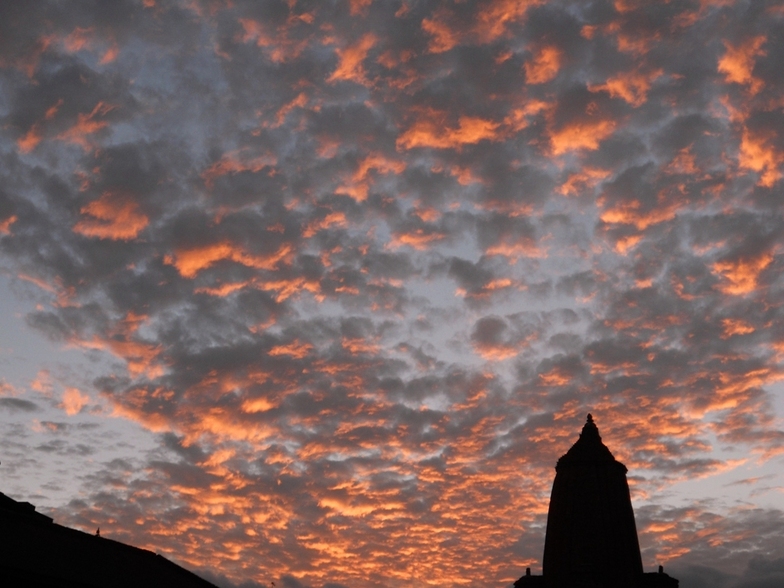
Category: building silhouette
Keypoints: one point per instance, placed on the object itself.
(591, 538)
(35, 552)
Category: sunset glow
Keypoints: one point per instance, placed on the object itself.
(317, 293)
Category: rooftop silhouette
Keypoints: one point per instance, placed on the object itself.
(591, 538)
(36, 552)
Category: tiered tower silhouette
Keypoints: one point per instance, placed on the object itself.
(591, 539)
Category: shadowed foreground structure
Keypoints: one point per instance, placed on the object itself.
(35, 552)
(591, 538)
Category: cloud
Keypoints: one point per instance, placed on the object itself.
(350, 63)
(352, 273)
(761, 573)
(111, 217)
(18, 405)
(74, 401)
(737, 63)
(429, 131)
(544, 66)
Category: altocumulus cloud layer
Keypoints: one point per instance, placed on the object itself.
(361, 268)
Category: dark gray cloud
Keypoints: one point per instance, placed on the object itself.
(18, 404)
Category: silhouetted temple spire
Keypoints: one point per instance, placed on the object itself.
(589, 447)
(591, 536)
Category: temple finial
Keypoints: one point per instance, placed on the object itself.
(589, 419)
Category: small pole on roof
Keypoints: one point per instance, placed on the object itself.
(98, 532)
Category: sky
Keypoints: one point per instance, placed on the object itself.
(317, 292)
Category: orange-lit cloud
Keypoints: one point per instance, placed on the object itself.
(487, 290)
(295, 349)
(359, 185)
(42, 383)
(583, 181)
(29, 140)
(581, 134)
(554, 377)
(544, 66)
(140, 357)
(631, 213)
(758, 154)
(355, 345)
(740, 277)
(191, 261)
(683, 163)
(631, 86)
(87, 124)
(236, 162)
(737, 63)
(28, 62)
(5, 225)
(43, 284)
(74, 401)
(515, 249)
(299, 102)
(333, 219)
(224, 289)
(733, 386)
(442, 37)
(110, 54)
(278, 46)
(495, 17)
(350, 61)
(52, 110)
(625, 244)
(429, 131)
(736, 327)
(133, 408)
(114, 216)
(519, 116)
(257, 405)
(635, 44)
(496, 351)
(287, 288)
(418, 239)
(79, 39)
(359, 7)
(428, 215)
